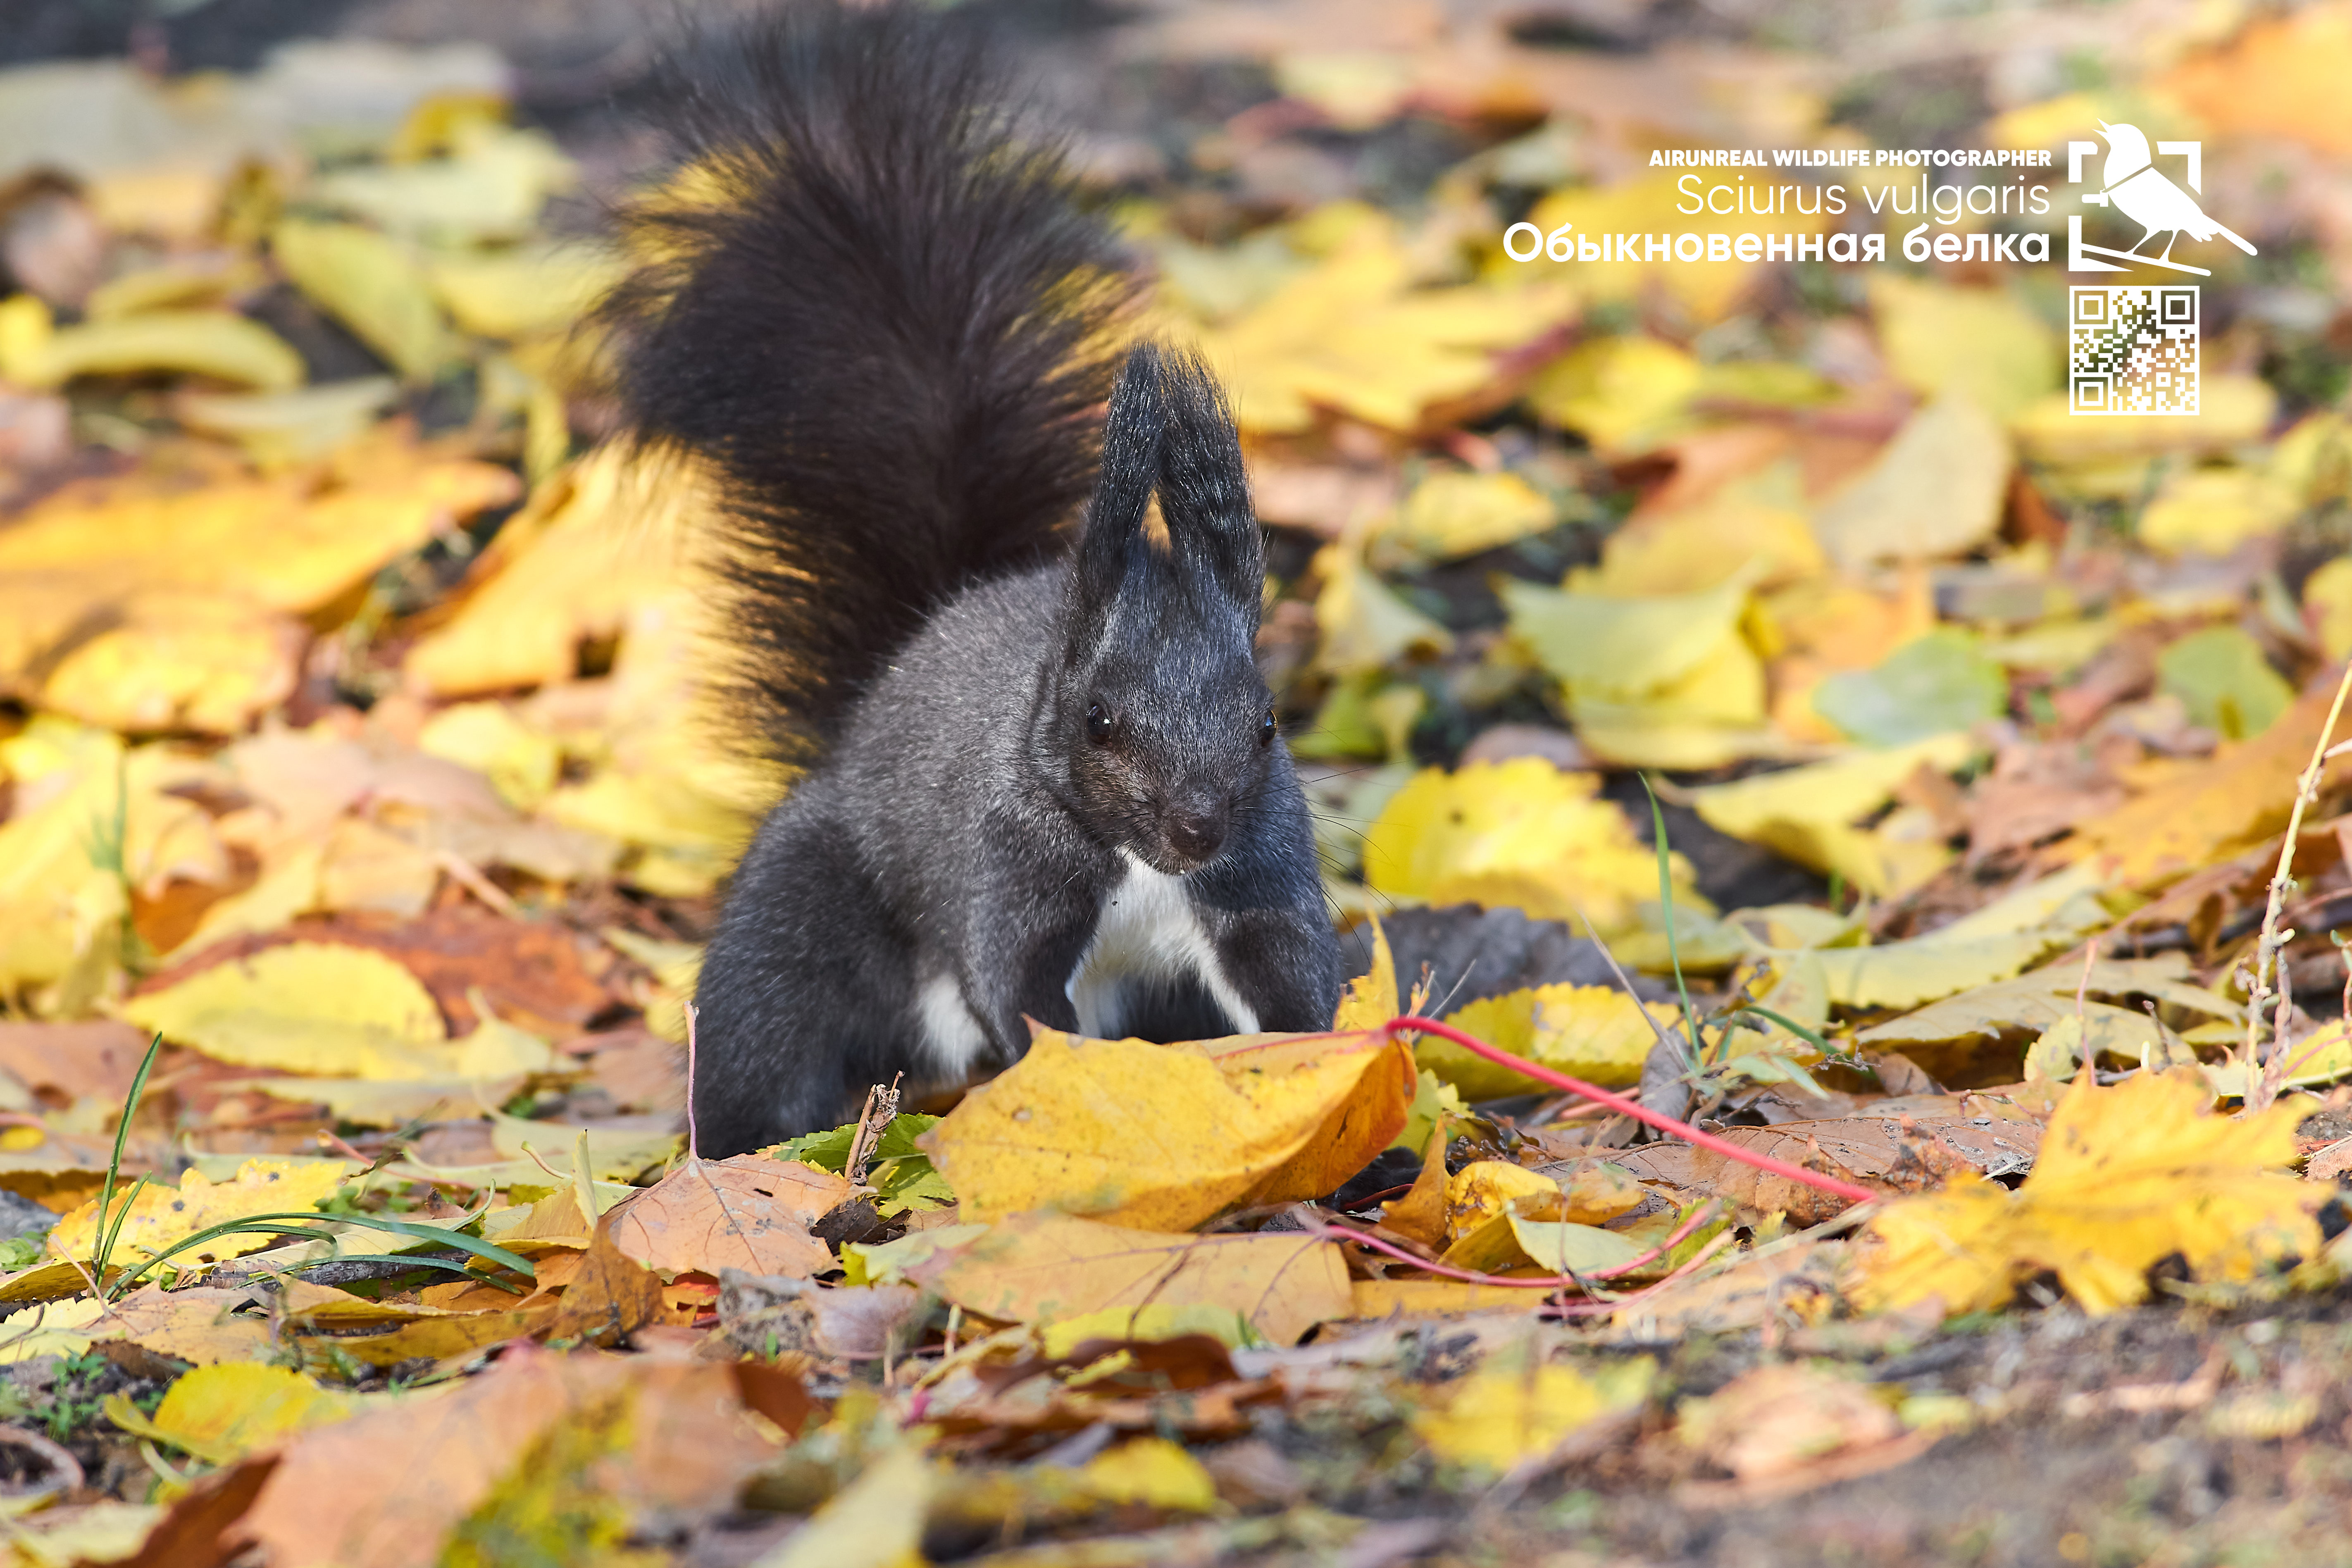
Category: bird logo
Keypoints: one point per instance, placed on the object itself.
(2137, 188)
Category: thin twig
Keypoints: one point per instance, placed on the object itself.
(693, 1142)
(2263, 1086)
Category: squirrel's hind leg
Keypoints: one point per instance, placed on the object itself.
(806, 991)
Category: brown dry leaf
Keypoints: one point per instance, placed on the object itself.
(749, 1212)
(1776, 1419)
(1791, 1277)
(1037, 1267)
(385, 1488)
(70, 1060)
(1904, 1154)
(610, 1297)
(1166, 1136)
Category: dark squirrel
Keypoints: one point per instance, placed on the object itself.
(1040, 774)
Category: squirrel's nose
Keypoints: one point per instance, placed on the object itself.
(1195, 832)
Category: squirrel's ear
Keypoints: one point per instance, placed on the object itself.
(1130, 463)
(1204, 489)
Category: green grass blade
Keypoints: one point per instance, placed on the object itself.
(1666, 898)
(307, 1225)
(114, 1163)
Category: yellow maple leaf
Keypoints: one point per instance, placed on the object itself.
(160, 1216)
(2126, 1176)
(1515, 833)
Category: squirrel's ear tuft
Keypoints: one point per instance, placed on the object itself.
(1204, 487)
(1130, 464)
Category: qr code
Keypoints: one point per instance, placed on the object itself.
(2131, 350)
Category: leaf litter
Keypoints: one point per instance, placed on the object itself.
(349, 754)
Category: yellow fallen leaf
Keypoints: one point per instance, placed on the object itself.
(1365, 623)
(2125, 1176)
(293, 542)
(1485, 1188)
(96, 1533)
(1596, 1032)
(371, 284)
(522, 291)
(179, 662)
(875, 1521)
(491, 186)
(1935, 489)
(604, 534)
(1151, 1471)
(1370, 999)
(306, 1007)
(1376, 1300)
(160, 1216)
(60, 896)
(220, 1413)
(1701, 546)
(217, 343)
(1623, 394)
(2280, 76)
(1165, 1136)
(55, 1328)
(1450, 514)
(2033, 1003)
(1152, 1320)
(1500, 1416)
(1519, 832)
(1648, 205)
(2327, 607)
(1040, 1267)
(1982, 343)
(2212, 511)
(278, 428)
(2231, 410)
(1352, 334)
(1568, 1246)
(192, 1323)
(1621, 650)
(1806, 812)
(2204, 810)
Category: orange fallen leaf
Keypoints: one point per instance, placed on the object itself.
(748, 1212)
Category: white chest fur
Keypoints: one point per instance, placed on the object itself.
(1147, 933)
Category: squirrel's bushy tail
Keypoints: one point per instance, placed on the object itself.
(875, 309)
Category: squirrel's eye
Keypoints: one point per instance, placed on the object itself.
(1265, 729)
(1100, 724)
